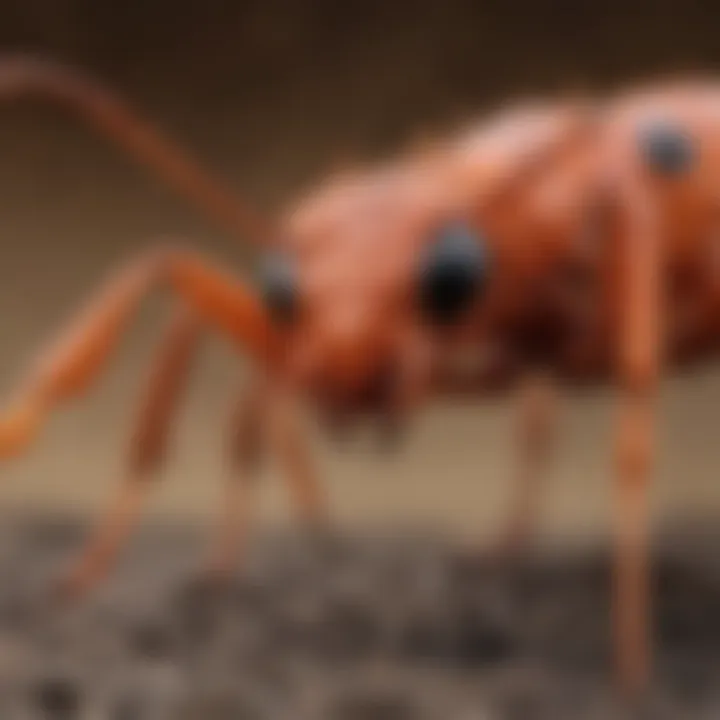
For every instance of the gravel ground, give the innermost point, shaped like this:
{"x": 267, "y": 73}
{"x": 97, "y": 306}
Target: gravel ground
{"x": 373, "y": 627}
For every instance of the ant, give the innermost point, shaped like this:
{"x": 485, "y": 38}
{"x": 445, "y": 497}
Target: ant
{"x": 560, "y": 243}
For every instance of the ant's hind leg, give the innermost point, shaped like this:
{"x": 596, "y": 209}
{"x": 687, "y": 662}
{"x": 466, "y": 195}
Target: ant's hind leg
{"x": 166, "y": 383}
{"x": 641, "y": 337}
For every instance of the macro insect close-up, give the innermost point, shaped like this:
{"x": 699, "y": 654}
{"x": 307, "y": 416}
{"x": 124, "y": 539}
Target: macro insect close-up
{"x": 550, "y": 246}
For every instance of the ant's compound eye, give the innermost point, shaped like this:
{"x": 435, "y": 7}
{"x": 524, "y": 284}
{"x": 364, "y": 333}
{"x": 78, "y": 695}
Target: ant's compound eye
{"x": 667, "y": 148}
{"x": 279, "y": 287}
{"x": 453, "y": 272}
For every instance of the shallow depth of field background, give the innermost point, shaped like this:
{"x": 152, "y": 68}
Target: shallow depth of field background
{"x": 272, "y": 94}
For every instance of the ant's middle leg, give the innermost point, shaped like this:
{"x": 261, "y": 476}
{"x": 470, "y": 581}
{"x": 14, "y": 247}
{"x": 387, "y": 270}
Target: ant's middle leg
{"x": 536, "y": 433}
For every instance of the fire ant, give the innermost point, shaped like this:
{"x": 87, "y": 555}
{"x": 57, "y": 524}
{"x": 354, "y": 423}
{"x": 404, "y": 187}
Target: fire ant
{"x": 569, "y": 241}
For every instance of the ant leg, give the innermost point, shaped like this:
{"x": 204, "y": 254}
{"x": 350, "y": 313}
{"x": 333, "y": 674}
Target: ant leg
{"x": 245, "y": 451}
{"x": 536, "y": 434}
{"x": 71, "y": 364}
{"x": 291, "y": 446}
{"x": 632, "y": 572}
{"x": 251, "y": 431}
{"x": 166, "y": 382}
{"x": 639, "y": 366}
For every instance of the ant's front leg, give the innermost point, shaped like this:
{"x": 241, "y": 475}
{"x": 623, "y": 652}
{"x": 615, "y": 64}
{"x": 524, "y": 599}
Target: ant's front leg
{"x": 245, "y": 451}
{"x": 263, "y": 421}
{"x": 166, "y": 382}
{"x": 83, "y": 349}
{"x": 67, "y": 367}
{"x": 291, "y": 446}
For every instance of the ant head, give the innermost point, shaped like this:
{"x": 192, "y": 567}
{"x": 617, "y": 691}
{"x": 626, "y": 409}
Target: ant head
{"x": 368, "y": 270}
{"x": 339, "y": 319}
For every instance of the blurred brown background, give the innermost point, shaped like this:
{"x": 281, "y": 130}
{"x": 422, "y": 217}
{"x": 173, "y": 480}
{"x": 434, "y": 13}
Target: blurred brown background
{"x": 271, "y": 93}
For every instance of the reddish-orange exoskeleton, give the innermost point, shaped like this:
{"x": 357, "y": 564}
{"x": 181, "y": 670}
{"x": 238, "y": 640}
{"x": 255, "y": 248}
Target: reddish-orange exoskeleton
{"x": 569, "y": 241}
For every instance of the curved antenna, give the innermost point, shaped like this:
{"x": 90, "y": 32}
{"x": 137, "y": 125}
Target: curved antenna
{"x": 22, "y": 76}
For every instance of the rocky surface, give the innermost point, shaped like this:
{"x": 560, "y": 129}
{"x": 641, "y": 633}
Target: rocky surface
{"x": 348, "y": 628}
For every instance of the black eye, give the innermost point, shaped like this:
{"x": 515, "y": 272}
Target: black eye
{"x": 279, "y": 287}
{"x": 667, "y": 148}
{"x": 453, "y": 272}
